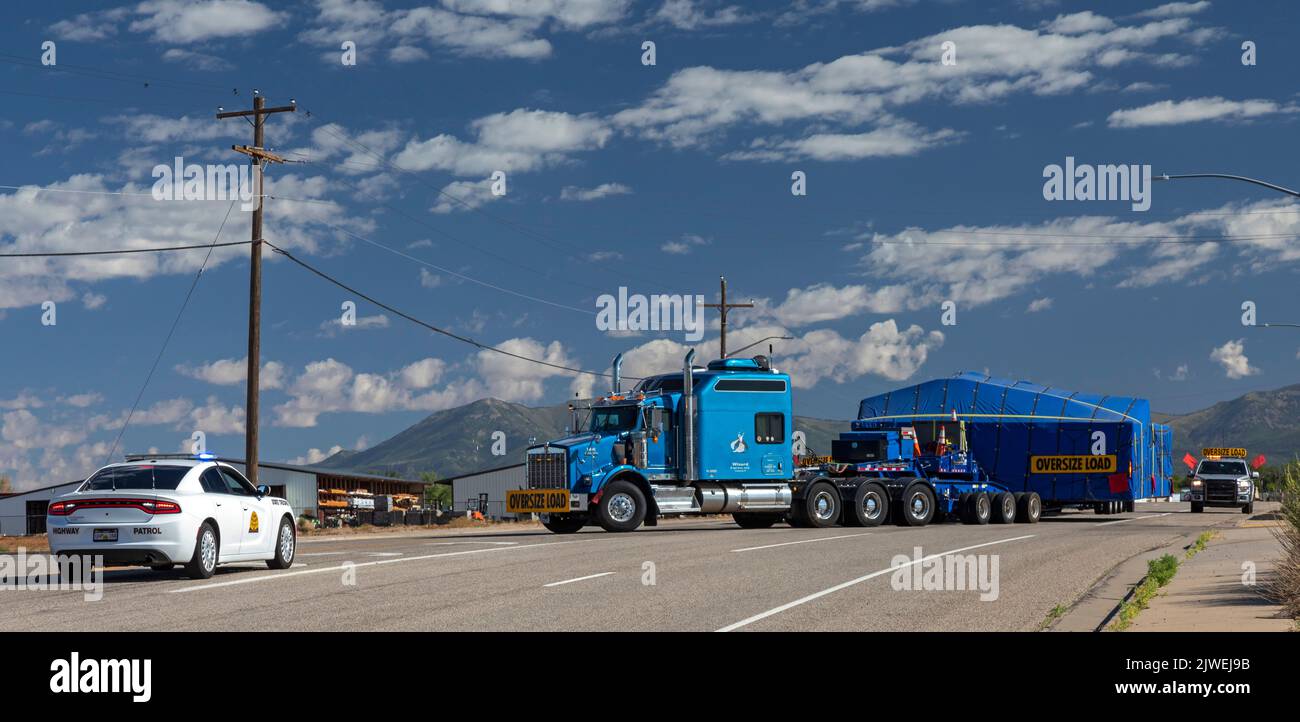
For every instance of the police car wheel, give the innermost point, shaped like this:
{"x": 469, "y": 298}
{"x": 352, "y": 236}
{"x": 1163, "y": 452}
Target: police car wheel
{"x": 206, "y": 550}
{"x": 622, "y": 507}
{"x": 286, "y": 542}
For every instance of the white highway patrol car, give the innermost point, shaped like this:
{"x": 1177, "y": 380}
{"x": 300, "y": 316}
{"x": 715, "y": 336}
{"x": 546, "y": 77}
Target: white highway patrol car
{"x": 164, "y": 510}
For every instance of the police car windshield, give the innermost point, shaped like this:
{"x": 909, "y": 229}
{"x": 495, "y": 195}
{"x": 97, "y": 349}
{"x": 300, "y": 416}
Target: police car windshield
{"x": 145, "y": 476}
{"x": 1222, "y": 467}
{"x": 613, "y": 419}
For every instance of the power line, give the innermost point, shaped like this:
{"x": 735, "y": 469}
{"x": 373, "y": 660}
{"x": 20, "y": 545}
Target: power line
{"x": 171, "y": 331}
{"x": 431, "y": 327}
{"x": 1115, "y": 242}
{"x": 57, "y": 254}
{"x": 450, "y": 272}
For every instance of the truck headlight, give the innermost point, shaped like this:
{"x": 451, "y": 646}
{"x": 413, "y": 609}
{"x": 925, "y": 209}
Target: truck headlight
{"x": 1196, "y": 483}
{"x": 1243, "y": 485}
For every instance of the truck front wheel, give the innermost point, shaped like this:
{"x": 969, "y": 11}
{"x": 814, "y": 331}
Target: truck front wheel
{"x": 918, "y": 506}
{"x": 1198, "y": 507}
{"x": 1249, "y": 508}
{"x": 564, "y": 524}
{"x": 622, "y": 507}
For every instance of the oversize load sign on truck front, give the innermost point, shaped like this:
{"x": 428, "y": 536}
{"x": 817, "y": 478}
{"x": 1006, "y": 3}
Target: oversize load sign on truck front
{"x": 1235, "y": 452}
{"x": 1081, "y": 464}
{"x": 541, "y": 501}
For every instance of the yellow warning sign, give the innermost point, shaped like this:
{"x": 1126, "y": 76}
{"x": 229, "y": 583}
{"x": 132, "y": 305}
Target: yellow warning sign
{"x": 252, "y": 524}
{"x": 1080, "y": 464}
{"x": 1232, "y": 451}
{"x": 524, "y": 501}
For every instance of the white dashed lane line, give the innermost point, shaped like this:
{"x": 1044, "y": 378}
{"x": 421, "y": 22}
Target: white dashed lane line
{"x": 579, "y": 579}
{"x": 1135, "y": 518}
{"x": 818, "y": 595}
{"x": 801, "y": 541}
{"x": 290, "y": 574}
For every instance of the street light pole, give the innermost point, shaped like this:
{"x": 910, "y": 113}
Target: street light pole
{"x": 1242, "y": 178}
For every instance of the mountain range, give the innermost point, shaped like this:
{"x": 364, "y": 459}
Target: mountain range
{"x": 459, "y": 440}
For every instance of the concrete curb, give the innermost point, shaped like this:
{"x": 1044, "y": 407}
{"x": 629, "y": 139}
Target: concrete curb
{"x": 1092, "y": 611}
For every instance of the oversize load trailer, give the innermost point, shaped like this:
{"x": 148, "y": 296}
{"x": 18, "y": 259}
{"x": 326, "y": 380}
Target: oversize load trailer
{"x": 1073, "y": 449}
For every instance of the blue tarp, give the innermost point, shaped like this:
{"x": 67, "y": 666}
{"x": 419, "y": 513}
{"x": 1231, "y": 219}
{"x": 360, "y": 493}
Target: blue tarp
{"x": 1007, "y": 422}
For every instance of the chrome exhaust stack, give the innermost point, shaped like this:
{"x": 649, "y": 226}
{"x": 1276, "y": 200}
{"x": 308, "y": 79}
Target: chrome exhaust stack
{"x": 687, "y": 472}
{"x": 618, "y": 374}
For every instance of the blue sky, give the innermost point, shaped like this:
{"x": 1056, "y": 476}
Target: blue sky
{"x": 924, "y": 185}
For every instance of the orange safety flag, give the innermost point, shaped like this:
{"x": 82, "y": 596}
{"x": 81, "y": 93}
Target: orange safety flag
{"x": 1190, "y": 461}
{"x": 1258, "y": 461}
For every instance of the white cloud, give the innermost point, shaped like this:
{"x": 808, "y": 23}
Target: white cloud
{"x": 1232, "y": 357}
{"x": 459, "y": 196}
{"x": 826, "y": 302}
{"x": 188, "y": 21}
{"x": 689, "y": 15}
{"x": 1081, "y": 22}
{"x": 513, "y": 379}
{"x": 520, "y": 140}
{"x": 315, "y": 456}
{"x": 1039, "y": 304}
{"x": 232, "y": 371}
{"x": 479, "y": 28}
{"x": 93, "y": 301}
{"x": 896, "y": 139}
{"x": 332, "y": 327}
{"x": 429, "y": 279}
{"x": 1175, "y": 9}
{"x": 331, "y": 386}
{"x": 1195, "y": 110}
{"x": 197, "y": 60}
{"x": 604, "y": 190}
{"x": 687, "y": 243}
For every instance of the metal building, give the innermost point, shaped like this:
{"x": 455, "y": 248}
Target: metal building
{"x": 485, "y": 490}
{"x": 23, "y": 512}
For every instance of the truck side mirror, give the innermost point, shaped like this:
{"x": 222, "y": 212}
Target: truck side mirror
{"x": 1254, "y": 474}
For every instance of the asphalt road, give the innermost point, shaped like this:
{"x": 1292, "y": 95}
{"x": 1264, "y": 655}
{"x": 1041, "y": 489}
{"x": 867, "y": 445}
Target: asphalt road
{"x": 707, "y": 574}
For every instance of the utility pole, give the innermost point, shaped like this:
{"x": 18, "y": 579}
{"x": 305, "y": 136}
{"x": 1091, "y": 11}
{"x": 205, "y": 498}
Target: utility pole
{"x": 723, "y": 307}
{"x": 258, "y": 154}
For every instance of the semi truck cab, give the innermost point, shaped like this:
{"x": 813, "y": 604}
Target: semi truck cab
{"x": 1223, "y": 478}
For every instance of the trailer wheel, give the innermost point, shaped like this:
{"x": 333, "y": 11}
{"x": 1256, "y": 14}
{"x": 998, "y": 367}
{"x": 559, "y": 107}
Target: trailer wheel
{"x": 622, "y": 507}
{"x": 1004, "y": 508}
{"x": 820, "y": 506}
{"x": 870, "y": 505}
{"x": 918, "y": 505}
{"x": 979, "y": 509}
{"x": 752, "y": 520}
{"x": 1198, "y": 507}
{"x": 1030, "y": 508}
{"x": 963, "y": 507}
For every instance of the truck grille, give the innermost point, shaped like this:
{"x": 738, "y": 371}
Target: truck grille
{"x": 1220, "y": 490}
{"x": 548, "y": 470}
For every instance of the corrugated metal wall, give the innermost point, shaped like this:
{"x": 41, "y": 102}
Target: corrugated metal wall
{"x": 13, "y": 509}
{"x": 465, "y": 490}
{"x": 299, "y": 486}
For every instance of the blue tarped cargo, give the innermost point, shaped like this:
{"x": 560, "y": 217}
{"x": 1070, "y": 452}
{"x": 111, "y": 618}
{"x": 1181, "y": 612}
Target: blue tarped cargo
{"x": 1008, "y": 423}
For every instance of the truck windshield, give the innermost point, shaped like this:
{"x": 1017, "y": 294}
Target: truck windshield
{"x": 613, "y": 419}
{"x": 1235, "y": 468}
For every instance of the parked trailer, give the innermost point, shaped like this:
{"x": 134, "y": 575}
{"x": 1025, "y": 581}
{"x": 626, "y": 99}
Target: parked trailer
{"x": 718, "y": 440}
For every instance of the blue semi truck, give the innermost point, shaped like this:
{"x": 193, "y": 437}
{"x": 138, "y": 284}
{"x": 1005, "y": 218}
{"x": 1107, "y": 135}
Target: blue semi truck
{"x": 719, "y": 439}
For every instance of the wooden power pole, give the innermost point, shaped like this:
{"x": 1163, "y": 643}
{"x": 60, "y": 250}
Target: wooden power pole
{"x": 258, "y": 154}
{"x": 723, "y": 307}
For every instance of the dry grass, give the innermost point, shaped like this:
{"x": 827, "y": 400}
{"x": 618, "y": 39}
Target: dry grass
{"x": 370, "y": 529}
{"x": 34, "y": 543}
{"x": 1284, "y": 586}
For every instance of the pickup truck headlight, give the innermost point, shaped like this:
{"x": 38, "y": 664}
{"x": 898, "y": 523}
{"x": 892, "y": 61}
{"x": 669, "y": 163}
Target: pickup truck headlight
{"x": 1196, "y": 483}
{"x": 1243, "y": 485}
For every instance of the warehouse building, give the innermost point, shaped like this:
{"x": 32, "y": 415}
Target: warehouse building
{"x": 309, "y": 490}
{"x": 485, "y": 491}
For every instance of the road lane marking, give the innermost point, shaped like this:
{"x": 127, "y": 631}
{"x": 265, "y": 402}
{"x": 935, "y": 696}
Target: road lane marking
{"x": 1135, "y": 518}
{"x": 818, "y": 595}
{"x": 319, "y": 554}
{"x": 801, "y": 541}
{"x": 445, "y": 544}
{"x": 341, "y": 567}
{"x": 384, "y": 554}
{"x": 579, "y": 579}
